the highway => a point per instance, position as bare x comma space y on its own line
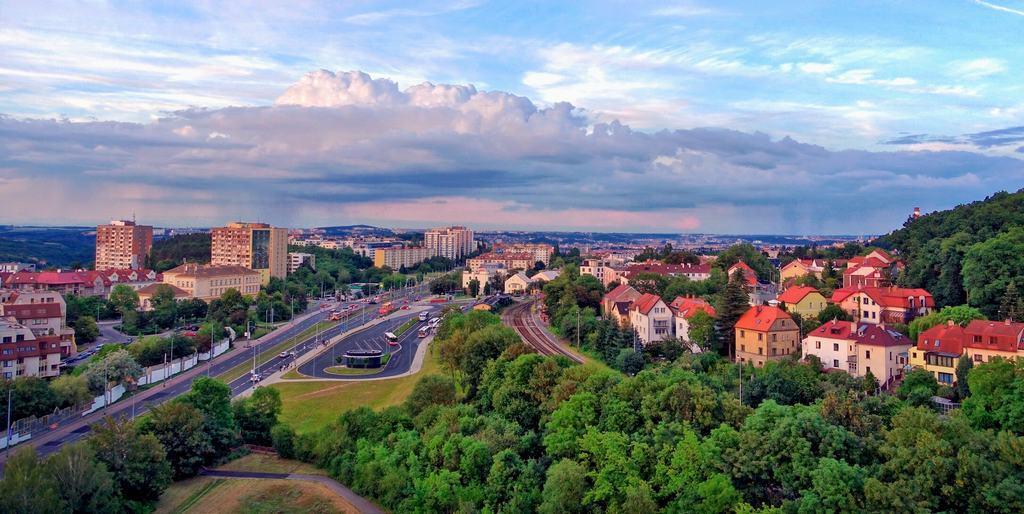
76, 428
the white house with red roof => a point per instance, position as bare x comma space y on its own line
683, 309
859, 348
651, 318
884, 304
876, 269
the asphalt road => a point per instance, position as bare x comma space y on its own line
73, 429
372, 338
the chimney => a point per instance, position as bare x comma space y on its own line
917, 212
853, 326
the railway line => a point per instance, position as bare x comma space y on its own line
521, 318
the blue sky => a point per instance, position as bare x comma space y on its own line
741, 116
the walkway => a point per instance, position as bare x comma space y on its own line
361, 504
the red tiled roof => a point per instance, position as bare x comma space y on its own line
892, 297
667, 269
795, 294
51, 278
943, 339
687, 307
32, 310
834, 330
646, 302
877, 335
1003, 336
618, 291
748, 273
761, 318
151, 288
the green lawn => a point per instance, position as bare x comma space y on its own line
268, 353
406, 326
309, 406
342, 370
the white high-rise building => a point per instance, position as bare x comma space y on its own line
451, 242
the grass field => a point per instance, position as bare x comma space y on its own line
271, 352
205, 495
309, 406
342, 370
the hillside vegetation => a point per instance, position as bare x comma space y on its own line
172, 251
969, 254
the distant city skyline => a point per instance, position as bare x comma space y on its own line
724, 117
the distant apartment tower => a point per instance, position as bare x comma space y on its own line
451, 242
123, 245
256, 246
396, 258
297, 259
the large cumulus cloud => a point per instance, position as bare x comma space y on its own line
340, 147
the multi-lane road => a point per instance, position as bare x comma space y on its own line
76, 428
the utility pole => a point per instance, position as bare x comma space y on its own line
577, 327
9, 391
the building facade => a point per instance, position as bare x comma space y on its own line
397, 258
683, 309
256, 246
600, 269
765, 333
208, 281
884, 304
859, 348
453, 242
122, 244
803, 300
298, 259
43, 312
23, 354
651, 318
521, 261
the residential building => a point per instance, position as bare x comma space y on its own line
297, 259
134, 278
521, 261
765, 333
518, 283
208, 281
601, 269
23, 354
859, 348
623, 294
43, 312
802, 267
876, 269
397, 258
256, 246
483, 275
63, 282
540, 252
690, 271
985, 340
884, 304
651, 318
453, 242
683, 309
146, 295
803, 300
14, 267
759, 292
123, 244
938, 350
547, 275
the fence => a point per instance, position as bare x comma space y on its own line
22, 429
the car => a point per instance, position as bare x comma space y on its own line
282, 355
255, 378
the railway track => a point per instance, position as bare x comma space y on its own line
521, 318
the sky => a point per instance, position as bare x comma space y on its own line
811, 117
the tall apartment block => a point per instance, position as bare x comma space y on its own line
256, 246
451, 242
123, 245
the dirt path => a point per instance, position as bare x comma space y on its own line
361, 504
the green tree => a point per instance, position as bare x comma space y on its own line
431, 390
124, 298
179, 428
833, 312
918, 387
751, 256
27, 487
283, 439
870, 382
71, 390
212, 398
959, 314
564, 489
702, 330
137, 461
1011, 307
990, 266
963, 368
118, 367
257, 415
83, 483
86, 330
996, 398
474, 287
734, 302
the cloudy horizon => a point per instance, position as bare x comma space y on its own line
786, 130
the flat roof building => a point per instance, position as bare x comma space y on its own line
123, 244
256, 246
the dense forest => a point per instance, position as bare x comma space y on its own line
48, 247
969, 254
507, 430
170, 252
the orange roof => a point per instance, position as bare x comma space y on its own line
1004, 336
893, 297
748, 273
795, 294
687, 307
761, 318
646, 302
614, 294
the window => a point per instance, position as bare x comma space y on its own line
760, 336
977, 339
775, 351
743, 347
868, 369
760, 350
945, 378
743, 333
835, 363
817, 345
835, 347
867, 354
775, 337
977, 357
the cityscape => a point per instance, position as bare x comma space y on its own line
473, 257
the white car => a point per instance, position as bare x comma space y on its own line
282, 355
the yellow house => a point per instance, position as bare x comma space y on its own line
803, 300
765, 333
938, 350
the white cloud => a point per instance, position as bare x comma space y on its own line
1001, 8
976, 69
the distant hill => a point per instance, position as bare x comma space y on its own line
365, 230
170, 252
968, 254
48, 247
